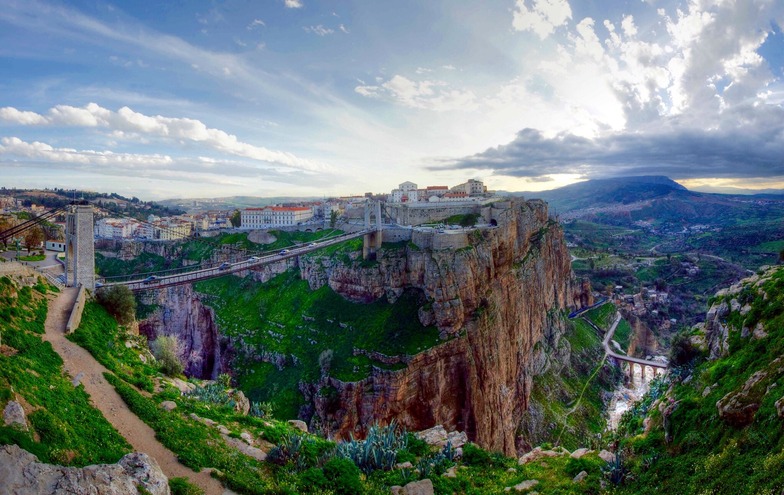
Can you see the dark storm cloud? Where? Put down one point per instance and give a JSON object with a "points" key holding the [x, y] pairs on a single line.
{"points": [[752, 146]]}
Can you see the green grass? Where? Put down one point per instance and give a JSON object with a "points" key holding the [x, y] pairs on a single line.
{"points": [[68, 430], [603, 316], [113, 347], [706, 453], [623, 334], [567, 401], [34, 257], [286, 318]]}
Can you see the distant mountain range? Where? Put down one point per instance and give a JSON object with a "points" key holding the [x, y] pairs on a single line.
{"points": [[630, 190]]}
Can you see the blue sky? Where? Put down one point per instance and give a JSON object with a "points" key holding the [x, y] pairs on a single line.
{"points": [[299, 97]]}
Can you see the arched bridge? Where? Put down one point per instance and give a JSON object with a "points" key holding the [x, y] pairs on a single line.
{"points": [[158, 282], [655, 367]]}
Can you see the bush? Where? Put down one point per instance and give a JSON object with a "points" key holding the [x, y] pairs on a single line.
{"points": [[473, 455], [119, 302], [682, 352], [343, 476], [313, 481], [166, 350]]}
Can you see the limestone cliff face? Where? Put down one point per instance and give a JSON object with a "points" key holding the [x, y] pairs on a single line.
{"points": [[181, 313], [496, 300]]}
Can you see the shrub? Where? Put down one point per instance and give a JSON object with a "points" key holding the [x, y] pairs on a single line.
{"points": [[181, 486], [343, 476], [378, 451], [473, 455], [313, 481], [166, 350], [682, 352], [119, 302]]}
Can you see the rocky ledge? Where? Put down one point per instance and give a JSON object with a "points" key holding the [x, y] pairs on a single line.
{"points": [[22, 474]]}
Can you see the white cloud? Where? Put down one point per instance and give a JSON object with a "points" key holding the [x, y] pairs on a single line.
{"points": [[11, 114], [426, 94], [343, 29], [256, 23], [175, 129], [319, 30], [42, 151], [542, 17], [293, 4]]}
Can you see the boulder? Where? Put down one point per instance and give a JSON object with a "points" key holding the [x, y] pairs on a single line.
{"points": [[739, 406], [168, 405], [436, 435], [606, 456], [181, 385], [241, 403], [14, 415], [580, 452], [247, 437], [300, 425], [23, 474], [421, 487], [780, 407], [523, 486], [451, 472], [580, 477], [535, 455]]}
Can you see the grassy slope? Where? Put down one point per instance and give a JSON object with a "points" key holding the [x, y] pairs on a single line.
{"points": [[708, 455], [284, 316], [68, 429], [571, 399]]}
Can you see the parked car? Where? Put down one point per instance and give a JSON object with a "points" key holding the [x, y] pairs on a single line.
{"points": [[150, 280], [283, 251], [224, 266], [312, 244], [254, 258]]}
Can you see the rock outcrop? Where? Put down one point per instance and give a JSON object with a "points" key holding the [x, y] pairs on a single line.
{"points": [[181, 313], [495, 300], [22, 474]]}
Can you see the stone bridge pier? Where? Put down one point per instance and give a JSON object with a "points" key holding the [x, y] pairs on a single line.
{"points": [[372, 240], [646, 371]]}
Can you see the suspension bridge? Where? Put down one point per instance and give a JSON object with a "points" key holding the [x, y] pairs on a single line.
{"points": [[80, 251]]}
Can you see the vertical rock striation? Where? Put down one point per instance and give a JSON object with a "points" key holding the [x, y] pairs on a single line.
{"points": [[496, 300], [181, 313]]}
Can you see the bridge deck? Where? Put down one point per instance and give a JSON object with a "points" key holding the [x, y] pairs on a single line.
{"points": [[207, 273], [622, 357]]}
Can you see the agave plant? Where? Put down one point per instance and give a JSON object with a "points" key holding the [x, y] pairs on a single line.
{"points": [[378, 451]]}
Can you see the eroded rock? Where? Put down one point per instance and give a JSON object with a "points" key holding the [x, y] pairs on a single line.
{"points": [[14, 415], [22, 474]]}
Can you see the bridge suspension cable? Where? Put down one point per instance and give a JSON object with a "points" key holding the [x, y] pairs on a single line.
{"points": [[29, 224]]}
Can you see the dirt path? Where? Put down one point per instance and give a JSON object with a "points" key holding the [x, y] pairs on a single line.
{"points": [[103, 396]]}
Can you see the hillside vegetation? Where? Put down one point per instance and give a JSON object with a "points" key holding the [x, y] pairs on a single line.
{"points": [[292, 334], [717, 427], [64, 428]]}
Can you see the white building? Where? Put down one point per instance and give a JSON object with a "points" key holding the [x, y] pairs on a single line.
{"points": [[274, 216], [115, 228], [405, 193], [472, 187]]}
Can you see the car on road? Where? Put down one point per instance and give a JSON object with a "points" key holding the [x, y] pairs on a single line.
{"points": [[283, 251], [150, 280], [224, 266], [312, 244], [98, 285], [254, 258]]}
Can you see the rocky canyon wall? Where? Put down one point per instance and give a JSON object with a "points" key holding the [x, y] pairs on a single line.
{"points": [[496, 299], [493, 302], [181, 313]]}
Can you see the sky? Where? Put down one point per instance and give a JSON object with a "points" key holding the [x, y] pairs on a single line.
{"points": [[189, 98]]}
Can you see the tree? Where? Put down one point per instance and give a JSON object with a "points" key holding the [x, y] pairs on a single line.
{"points": [[5, 224], [119, 302], [33, 238], [166, 350], [333, 219], [236, 218]]}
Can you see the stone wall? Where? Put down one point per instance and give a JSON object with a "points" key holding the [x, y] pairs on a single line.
{"points": [[76, 312]]}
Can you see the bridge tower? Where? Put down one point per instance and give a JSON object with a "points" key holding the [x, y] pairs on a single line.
{"points": [[79, 246], [374, 237]]}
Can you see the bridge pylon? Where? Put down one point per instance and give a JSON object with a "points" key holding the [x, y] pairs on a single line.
{"points": [[372, 240], [79, 247]]}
